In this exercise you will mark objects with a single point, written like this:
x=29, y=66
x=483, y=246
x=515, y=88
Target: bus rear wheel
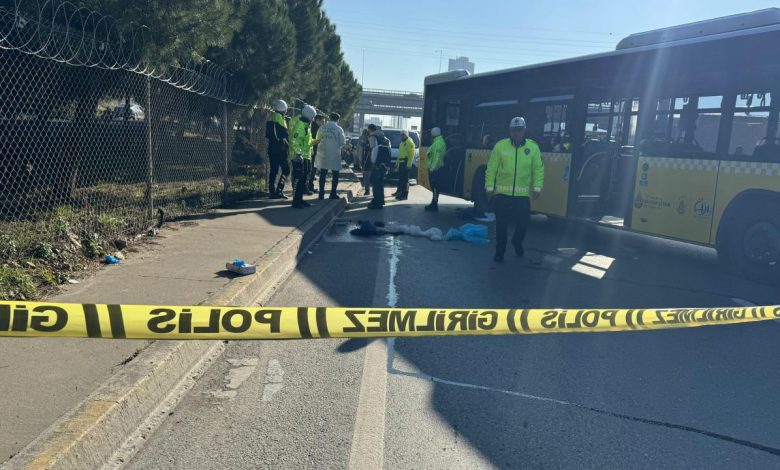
x=752, y=245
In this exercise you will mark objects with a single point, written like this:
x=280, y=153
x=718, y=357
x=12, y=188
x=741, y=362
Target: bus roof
x=744, y=24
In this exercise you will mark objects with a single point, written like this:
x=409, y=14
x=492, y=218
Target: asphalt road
x=691, y=398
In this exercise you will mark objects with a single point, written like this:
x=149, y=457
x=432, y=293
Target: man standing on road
x=300, y=153
x=364, y=152
x=380, y=159
x=514, y=172
x=278, y=148
x=404, y=163
x=330, y=140
x=434, y=162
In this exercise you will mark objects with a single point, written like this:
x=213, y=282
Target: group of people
x=376, y=161
x=514, y=173
x=310, y=142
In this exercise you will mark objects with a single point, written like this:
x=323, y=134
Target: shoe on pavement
x=334, y=196
x=432, y=208
x=321, y=197
x=375, y=206
x=519, y=251
x=498, y=258
x=306, y=204
x=298, y=205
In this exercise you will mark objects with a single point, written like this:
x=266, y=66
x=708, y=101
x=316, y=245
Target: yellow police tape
x=202, y=322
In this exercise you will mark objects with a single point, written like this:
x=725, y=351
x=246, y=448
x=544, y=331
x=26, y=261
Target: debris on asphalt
x=119, y=255
x=367, y=228
x=472, y=233
x=240, y=266
x=109, y=259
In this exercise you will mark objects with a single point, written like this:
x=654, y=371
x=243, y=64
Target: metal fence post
x=149, y=151
x=227, y=150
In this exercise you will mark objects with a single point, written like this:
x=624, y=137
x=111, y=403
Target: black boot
x=279, y=194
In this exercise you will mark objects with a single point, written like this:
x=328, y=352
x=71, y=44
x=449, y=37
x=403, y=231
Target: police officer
x=434, y=162
x=514, y=174
x=403, y=163
x=300, y=153
x=278, y=148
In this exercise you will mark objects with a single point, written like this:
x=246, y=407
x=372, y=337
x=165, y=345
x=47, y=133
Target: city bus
x=674, y=134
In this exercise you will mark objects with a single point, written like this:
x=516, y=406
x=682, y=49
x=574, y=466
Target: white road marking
x=274, y=379
x=743, y=302
x=419, y=375
x=368, y=437
x=242, y=370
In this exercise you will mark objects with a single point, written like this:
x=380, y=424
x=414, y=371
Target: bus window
x=555, y=137
x=489, y=123
x=754, y=128
x=612, y=121
x=685, y=127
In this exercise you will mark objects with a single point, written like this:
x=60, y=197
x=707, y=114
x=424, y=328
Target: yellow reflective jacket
x=406, y=153
x=301, y=141
x=434, y=159
x=513, y=171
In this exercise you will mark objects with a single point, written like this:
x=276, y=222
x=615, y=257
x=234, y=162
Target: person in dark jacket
x=278, y=148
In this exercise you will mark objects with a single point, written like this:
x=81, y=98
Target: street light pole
x=440, y=54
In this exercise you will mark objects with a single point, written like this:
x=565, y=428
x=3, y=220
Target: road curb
x=88, y=435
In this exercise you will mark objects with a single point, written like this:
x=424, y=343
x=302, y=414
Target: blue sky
x=402, y=39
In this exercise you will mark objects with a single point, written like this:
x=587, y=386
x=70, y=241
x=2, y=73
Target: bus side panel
x=555, y=194
x=422, y=170
x=475, y=158
x=736, y=177
x=674, y=197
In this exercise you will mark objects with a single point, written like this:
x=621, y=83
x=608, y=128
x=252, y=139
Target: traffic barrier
x=48, y=319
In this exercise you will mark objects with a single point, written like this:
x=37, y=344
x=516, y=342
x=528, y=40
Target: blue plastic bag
x=472, y=233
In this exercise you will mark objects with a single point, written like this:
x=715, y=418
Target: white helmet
x=308, y=112
x=280, y=106
x=436, y=132
x=517, y=122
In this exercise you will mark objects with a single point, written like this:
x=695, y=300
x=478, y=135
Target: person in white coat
x=330, y=139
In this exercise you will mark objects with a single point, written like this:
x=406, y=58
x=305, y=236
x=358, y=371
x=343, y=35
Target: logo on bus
x=639, y=201
x=702, y=208
x=682, y=205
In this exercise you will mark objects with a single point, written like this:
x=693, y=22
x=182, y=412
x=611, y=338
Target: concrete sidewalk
x=43, y=379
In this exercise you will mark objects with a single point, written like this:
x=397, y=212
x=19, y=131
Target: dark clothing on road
x=508, y=210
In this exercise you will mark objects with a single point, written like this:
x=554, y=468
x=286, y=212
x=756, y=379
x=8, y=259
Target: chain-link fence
x=95, y=145
x=107, y=139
